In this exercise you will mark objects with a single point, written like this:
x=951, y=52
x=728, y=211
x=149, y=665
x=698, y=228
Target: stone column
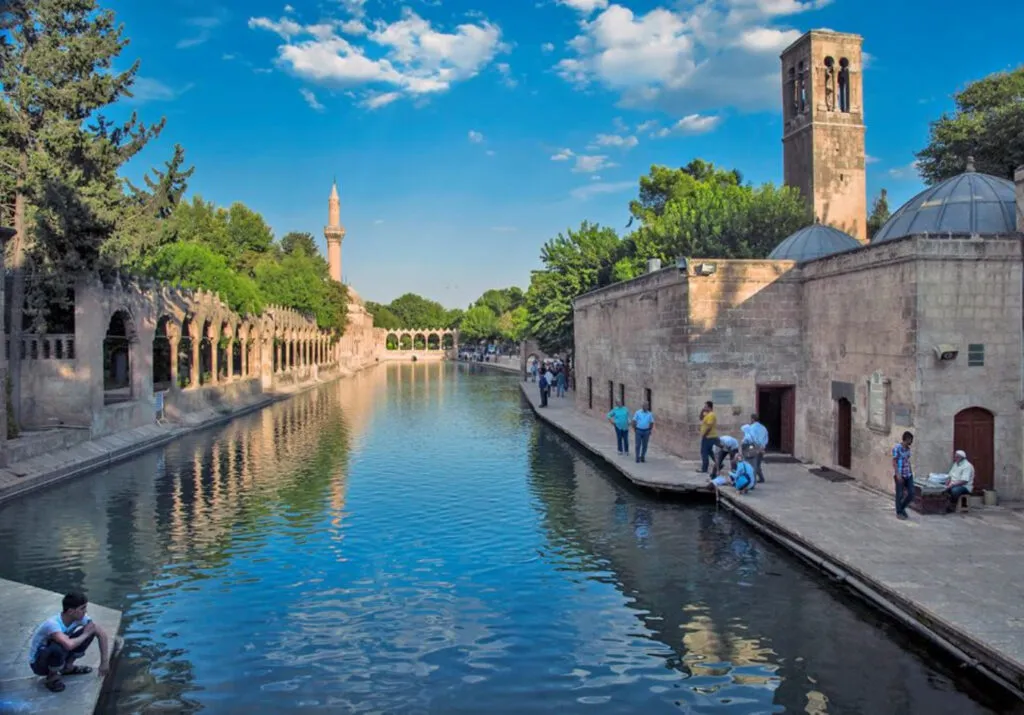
x=214, y=362
x=174, y=341
x=229, y=355
x=193, y=368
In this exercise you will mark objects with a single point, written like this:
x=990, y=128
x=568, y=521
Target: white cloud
x=714, y=54
x=475, y=137
x=289, y=8
x=616, y=140
x=562, y=155
x=866, y=60
x=868, y=159
x=589, y=163
x=147, y=89
x=582, y=193
x=378, y=222
x=202, y=30
x=356, y=8
x=354, y=27
x=311, y=99
x=227, y=56
x=408, y=57
x=910, y=171
x=547, y=47
x=690, y=124
x=506, y=75
x=649, y=126
x=584, y=6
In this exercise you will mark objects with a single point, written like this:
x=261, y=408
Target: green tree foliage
x=988, y=124
x=299, y=242
x=301, y=282
x=479, y=323
x=417, y=312
x=574, y=263
x=453, y=318
x=196, y=265
x=879, y=214
x=701, y=210
x=383, y=317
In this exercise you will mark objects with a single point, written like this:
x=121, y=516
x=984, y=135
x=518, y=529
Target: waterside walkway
x=954, y=579
x=25, y=608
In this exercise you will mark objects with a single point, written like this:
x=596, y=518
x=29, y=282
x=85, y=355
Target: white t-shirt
x=728, y=442
x=41, y=637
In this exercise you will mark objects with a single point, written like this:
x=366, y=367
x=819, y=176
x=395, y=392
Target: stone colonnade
x=422, y=339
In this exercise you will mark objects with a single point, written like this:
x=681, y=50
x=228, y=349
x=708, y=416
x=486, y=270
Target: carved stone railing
x=45, y=347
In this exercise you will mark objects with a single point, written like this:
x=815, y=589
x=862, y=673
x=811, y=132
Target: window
x=975, y=355
x=590, y=393
x=611, y=394
x=647, y=399
x=802, y=88
x=830, y=84
x=844, y=85
x=791, y=101
x=622, y=393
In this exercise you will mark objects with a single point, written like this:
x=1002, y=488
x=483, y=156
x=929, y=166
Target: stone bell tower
x=334, y=232
x=823, y=127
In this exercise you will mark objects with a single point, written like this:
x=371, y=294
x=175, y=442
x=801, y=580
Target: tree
x=299, y=242
x=60, y=155
x=383, y=317
x=301, y=282
x=988, y=124
x=417, y=312
x=195, y=265
x=574, y=263
x=879, y=214
x=704, y=211
x=479, y=323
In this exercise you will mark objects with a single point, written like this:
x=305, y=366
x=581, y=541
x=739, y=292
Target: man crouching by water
x=741, y=477
x=61, y=640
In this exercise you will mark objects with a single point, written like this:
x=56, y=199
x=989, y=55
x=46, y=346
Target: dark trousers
x=643, y=436
x=904, y=494
x=720, y=455
x=758, y=461
x=53, y=656
x=955, y=493
x=707, y=444
x=544, y=392
x=622, y=440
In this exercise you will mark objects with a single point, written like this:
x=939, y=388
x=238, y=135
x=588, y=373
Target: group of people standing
x=746, y=456
x=642, y=422
x=551, y=375
x=957, y=483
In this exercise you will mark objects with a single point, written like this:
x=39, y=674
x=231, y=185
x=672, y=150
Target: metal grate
x=975, y=355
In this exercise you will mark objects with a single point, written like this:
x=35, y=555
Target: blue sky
x=465, y=133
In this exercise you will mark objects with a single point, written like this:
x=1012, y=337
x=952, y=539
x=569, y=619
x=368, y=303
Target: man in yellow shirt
x=708, y=434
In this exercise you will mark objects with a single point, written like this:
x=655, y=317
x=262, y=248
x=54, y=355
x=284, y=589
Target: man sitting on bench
x=59, y=641
x=961, y=479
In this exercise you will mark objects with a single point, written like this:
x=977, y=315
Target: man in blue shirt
x=725, y=446
x=643, y=423
x=742, y=474
x=619, y=416
x=903, y=475
x=755, y=437
x=61, y=640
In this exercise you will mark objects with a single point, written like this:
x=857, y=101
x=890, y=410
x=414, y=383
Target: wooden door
x=974, y=433
x=788, y=431
x=844, y=433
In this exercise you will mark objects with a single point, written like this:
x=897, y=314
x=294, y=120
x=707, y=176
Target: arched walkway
x=187, y=349
x=117, y=363
x=433, y=342
x=391, y=342
x=974, y=433
x=207, y=347
x=162, y=357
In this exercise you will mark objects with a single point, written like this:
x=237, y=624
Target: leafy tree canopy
x=196, y=265
x=988, y=124
x=479, y=323
x=383, y=317
x=418, y=312
x=879, y=214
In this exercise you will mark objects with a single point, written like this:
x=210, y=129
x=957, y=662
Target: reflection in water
x=410, y=540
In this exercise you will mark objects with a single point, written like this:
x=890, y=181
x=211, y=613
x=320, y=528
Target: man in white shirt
x=726, y=446
x=961, y=479
x=61, y=640
x=643, y=425
x=755, y=436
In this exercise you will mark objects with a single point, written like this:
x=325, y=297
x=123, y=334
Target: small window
x=590, y=393
x=647, y=399
x=622, y=393
x=975, y=355
x=611, y=394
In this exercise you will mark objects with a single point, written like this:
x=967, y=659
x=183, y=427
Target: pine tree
x=879, y=214
x=62, y=155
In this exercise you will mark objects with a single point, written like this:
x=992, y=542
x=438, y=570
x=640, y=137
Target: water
x=410, y=541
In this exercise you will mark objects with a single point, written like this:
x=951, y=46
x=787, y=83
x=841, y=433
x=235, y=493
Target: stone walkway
x=25, y=607
x=958, y=576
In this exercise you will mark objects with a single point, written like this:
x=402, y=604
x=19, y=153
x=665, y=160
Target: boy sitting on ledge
x=61, y=640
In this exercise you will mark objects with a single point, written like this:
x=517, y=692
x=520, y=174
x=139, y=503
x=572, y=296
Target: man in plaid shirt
x=903, y=475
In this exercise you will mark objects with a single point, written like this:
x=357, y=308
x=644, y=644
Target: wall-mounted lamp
x=682, y=264
x=946, y=353
x=705, y=269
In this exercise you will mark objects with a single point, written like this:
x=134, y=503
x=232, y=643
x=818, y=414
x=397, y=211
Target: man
x=755, y=436
x=619, y=417
x=724, y=446
x=643, y=423
x=59, y=641
x=545, y=389
x=903, y=475
x=961, y=479
x=742, y=474
x=708, y=434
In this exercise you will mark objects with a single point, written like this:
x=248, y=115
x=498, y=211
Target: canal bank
x=56, y=466
x=954, y=580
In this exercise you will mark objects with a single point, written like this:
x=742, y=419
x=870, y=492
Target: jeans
x=758, y=460
x=53, y=656
x=622, y=440
x=544, y=393
x=904, y=494
x=642, y=437
x=561, y=390
x=955, y=493
x=706, y=446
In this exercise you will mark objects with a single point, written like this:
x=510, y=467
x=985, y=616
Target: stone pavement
x=25, y=607
x=957, y=576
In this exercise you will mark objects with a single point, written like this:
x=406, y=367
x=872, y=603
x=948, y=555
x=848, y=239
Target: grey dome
x=965, y=205
x=814, y=241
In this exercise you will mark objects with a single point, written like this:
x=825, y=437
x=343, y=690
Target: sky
x=463, y=134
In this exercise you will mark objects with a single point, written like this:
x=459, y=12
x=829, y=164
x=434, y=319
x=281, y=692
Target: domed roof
x=966, y=205
x=814, y=241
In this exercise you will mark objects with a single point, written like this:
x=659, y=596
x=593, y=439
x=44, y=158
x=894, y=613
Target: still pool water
x=411, y=541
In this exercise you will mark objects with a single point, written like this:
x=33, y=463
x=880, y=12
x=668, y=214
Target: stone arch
x=433, y=341
x=164, y=346
x=187, y=350
x=405, y=341
x=118, y=352
x=448, y=340
x=974, y=433
x=391, y=341
x=419, y=341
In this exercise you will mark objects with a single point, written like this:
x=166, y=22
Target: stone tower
x=823, y=127
x=334, y=232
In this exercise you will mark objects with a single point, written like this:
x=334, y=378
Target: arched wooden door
x=844, y=433
x=974, y=433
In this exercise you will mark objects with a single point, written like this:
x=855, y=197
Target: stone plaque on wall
x=722, y=397
x=878, y=402
x=902, y=416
